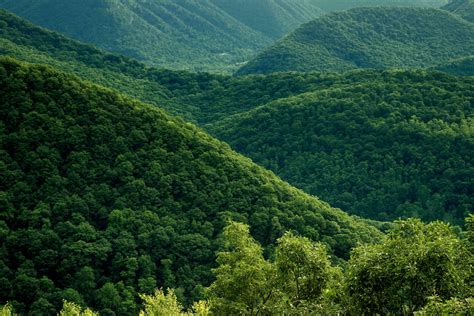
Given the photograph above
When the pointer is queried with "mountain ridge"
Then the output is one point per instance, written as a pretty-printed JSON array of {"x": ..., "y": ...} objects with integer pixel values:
[{"x": 368, "y": 38}]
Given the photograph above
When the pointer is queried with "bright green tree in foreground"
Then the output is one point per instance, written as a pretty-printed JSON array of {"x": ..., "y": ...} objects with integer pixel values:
[
  {"x": 415, "y": 262},
  {"x": 244, "y": 279},
  {"x": 72, "y": 309}
]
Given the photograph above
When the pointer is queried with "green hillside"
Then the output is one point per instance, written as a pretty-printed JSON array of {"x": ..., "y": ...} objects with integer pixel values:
[
  {"x": 198, "y": 35},
  {"x": 274, "y": 18},
  {"x": 369, "y": 38},
  {"x": 103, "y": 197},
  {"x": 462, "y": 8},
  {"x": 203, "y": 98},
  {"x": 184, "y": 34},
  {"x": 384, "y": 146}
]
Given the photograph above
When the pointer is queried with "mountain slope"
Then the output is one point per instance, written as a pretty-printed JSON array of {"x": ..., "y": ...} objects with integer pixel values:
[
  {"x": 462, "y": 8},
  {"x": 103, "y": 197},
  {"x": 387, "y": 145},
  {"x": 369, "y": 38},
  {"x": 178, "y": 34},
  {"x": 202, "y": 98},
  {"x": 274, "y": 18}
]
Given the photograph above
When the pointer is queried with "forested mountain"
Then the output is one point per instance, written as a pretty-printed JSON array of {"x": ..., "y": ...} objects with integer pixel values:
[
  {"x": 215, "y": 35},
  {"x": 201, "y": 97},
  {"x": 176, "y": 33},
  {"x": 103, "y": 197},
  {"x": 208, "y": 99},
  {"x": 274, "y": 18},
  {"x": 369, "y": 38},
  {"x": 463, "y": 8},
  {"x": 184, "y": 34},
  {"x": 386, "y": 145}
]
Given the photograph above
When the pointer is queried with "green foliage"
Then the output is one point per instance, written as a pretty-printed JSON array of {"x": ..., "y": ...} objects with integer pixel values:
[
  {"x": 197, "y": 97},
  {"x": 6, "y": 310},
  {"x": 161, "y": 304},
  {"x": 247, "y": 284},
  {"x": 415, "y": 262},
  {"x": 103, "y": 197},
  {"x": 378, "y": 38},
  {"x": 304, "y": 270},
  {"x": 381, "y": 145},
  {"x": 454, "y": 306},
  {"x": 274, "y": 18},
  {"x": 244, "y": 279},
  {"x": 72, "y": 309},
  {"x": 335, "y": 5}
]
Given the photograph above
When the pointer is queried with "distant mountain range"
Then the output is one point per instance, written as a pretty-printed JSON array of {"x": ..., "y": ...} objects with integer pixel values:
[
  {"x": 378, "y": 38},
  {"x": 200, "y": 35}
]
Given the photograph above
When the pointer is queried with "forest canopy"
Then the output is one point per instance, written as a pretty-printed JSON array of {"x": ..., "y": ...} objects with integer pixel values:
[{"x": 104, "y": 197}]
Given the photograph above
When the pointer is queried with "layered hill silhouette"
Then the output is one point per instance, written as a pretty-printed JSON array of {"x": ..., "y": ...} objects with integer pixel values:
[
  {"x": 210, "y": 35},
  {"x": 383, "y": 145},
  {"x": 369, "y": 38},
  {"x": 202, "y": 98},
  {"x": 209, "y": 99},
  {"x": 120, "y": 198},
  {"x": 462, "y": 8},
  {"x": 190, "y": 34}
]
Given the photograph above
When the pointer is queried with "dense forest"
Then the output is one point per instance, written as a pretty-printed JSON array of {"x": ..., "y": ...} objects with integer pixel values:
[
  {"x": 183, "y": 34},
  {"x": 131, "y": 189},
  {"x": 198, "y": 35},
  {"x": 418, "y": 269},
  {"x": 201, "y": 97},
  {"x": 369, "y": 38},
  {"x": 396, "y": 144},
  {"x": 338, "y": 5},
  {"x": 104, "y": 197},
  {"x": 209, "y": 99}
]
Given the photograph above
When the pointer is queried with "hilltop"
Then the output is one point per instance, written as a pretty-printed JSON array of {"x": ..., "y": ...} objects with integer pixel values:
[
  {"x": 204, "y": 35},
  {"x": 369, "y": 38},
  {"x": 338, "y": 5},
  {"x": 179, "y": 34}
]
